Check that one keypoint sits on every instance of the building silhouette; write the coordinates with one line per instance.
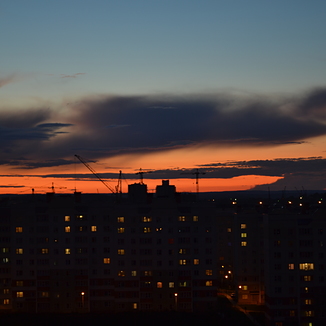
(160, 252)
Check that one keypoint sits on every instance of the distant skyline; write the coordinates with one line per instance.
(236, 90)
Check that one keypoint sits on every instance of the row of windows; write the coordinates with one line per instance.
(302, 266)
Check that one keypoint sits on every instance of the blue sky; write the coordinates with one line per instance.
(111, 78)
(133, 47)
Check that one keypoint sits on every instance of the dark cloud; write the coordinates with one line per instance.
(108, 125)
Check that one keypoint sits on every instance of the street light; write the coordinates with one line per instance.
(83, 298)
(176, 300)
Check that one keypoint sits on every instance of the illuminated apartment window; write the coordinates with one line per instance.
(182, 251)
(4, 250)
(121, 273)
(133, 273)
(67, 251)
(244, 296)
(135, 305)
(243, 235)
(307, 278)
(245, 287)
(243, 243)
(182, 262)
(291, 266)
(196, 261)
(80, 217)
(182, 218)
(209, 283)
(148, 273)
(19, 229)
(146, 219)
(121, 230)
(121, 251)
(171, 285)
(106, 260)
(93, 228)
(243, 226)
(306, 266)
(306, 289)
(5, 260)
(308, 301)
(67, 218)
(195, 218)
(229, 230)
(19, 283)
(147, 230)
(308, 313)
(6, 301)
(19, 251)
(209, 272)
(20, 294)
(44, 294)
(159, 285)
(5, 291)
(67, 228)
(44, 250)
(120, 219)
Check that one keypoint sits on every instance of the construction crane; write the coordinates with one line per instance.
(141, 175)
(94, 172)
(197, 173)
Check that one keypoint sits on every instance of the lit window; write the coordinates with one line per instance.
(67, 251)
(135, 305)
(121, 230)
(44, 250)
(159, 285)
(243, 243)
(195, 218)
(44, 294)
(183, 284)
(182, 251)
(148, 273)
(196, 261)
(20, 294)
(243, 235)
(5, 260)
(147, 230)
(291, 266)
(93, 228)
(19, 283)
(182, 218)
(209, 272)
(106, 260)
(121, 273)
(306, 266)
(67, 228)
(308, 301)
(5, 250)
(209, 283)
(307, 278)
(229, 230)
(133, 273)
(121, 251)
(308, 313)
(19, 251)
(244, 296)
(6, 301)
(243, 226)
(146, 219)
(80, 217)
(5, 291)
(19, 229)
(182, 262)
(245, 287)
(171, 285)
(120, 219)
(67, 218)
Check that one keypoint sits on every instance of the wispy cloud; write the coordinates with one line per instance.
(8, 80)
(73, 75)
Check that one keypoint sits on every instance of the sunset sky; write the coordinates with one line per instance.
(235, 89)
